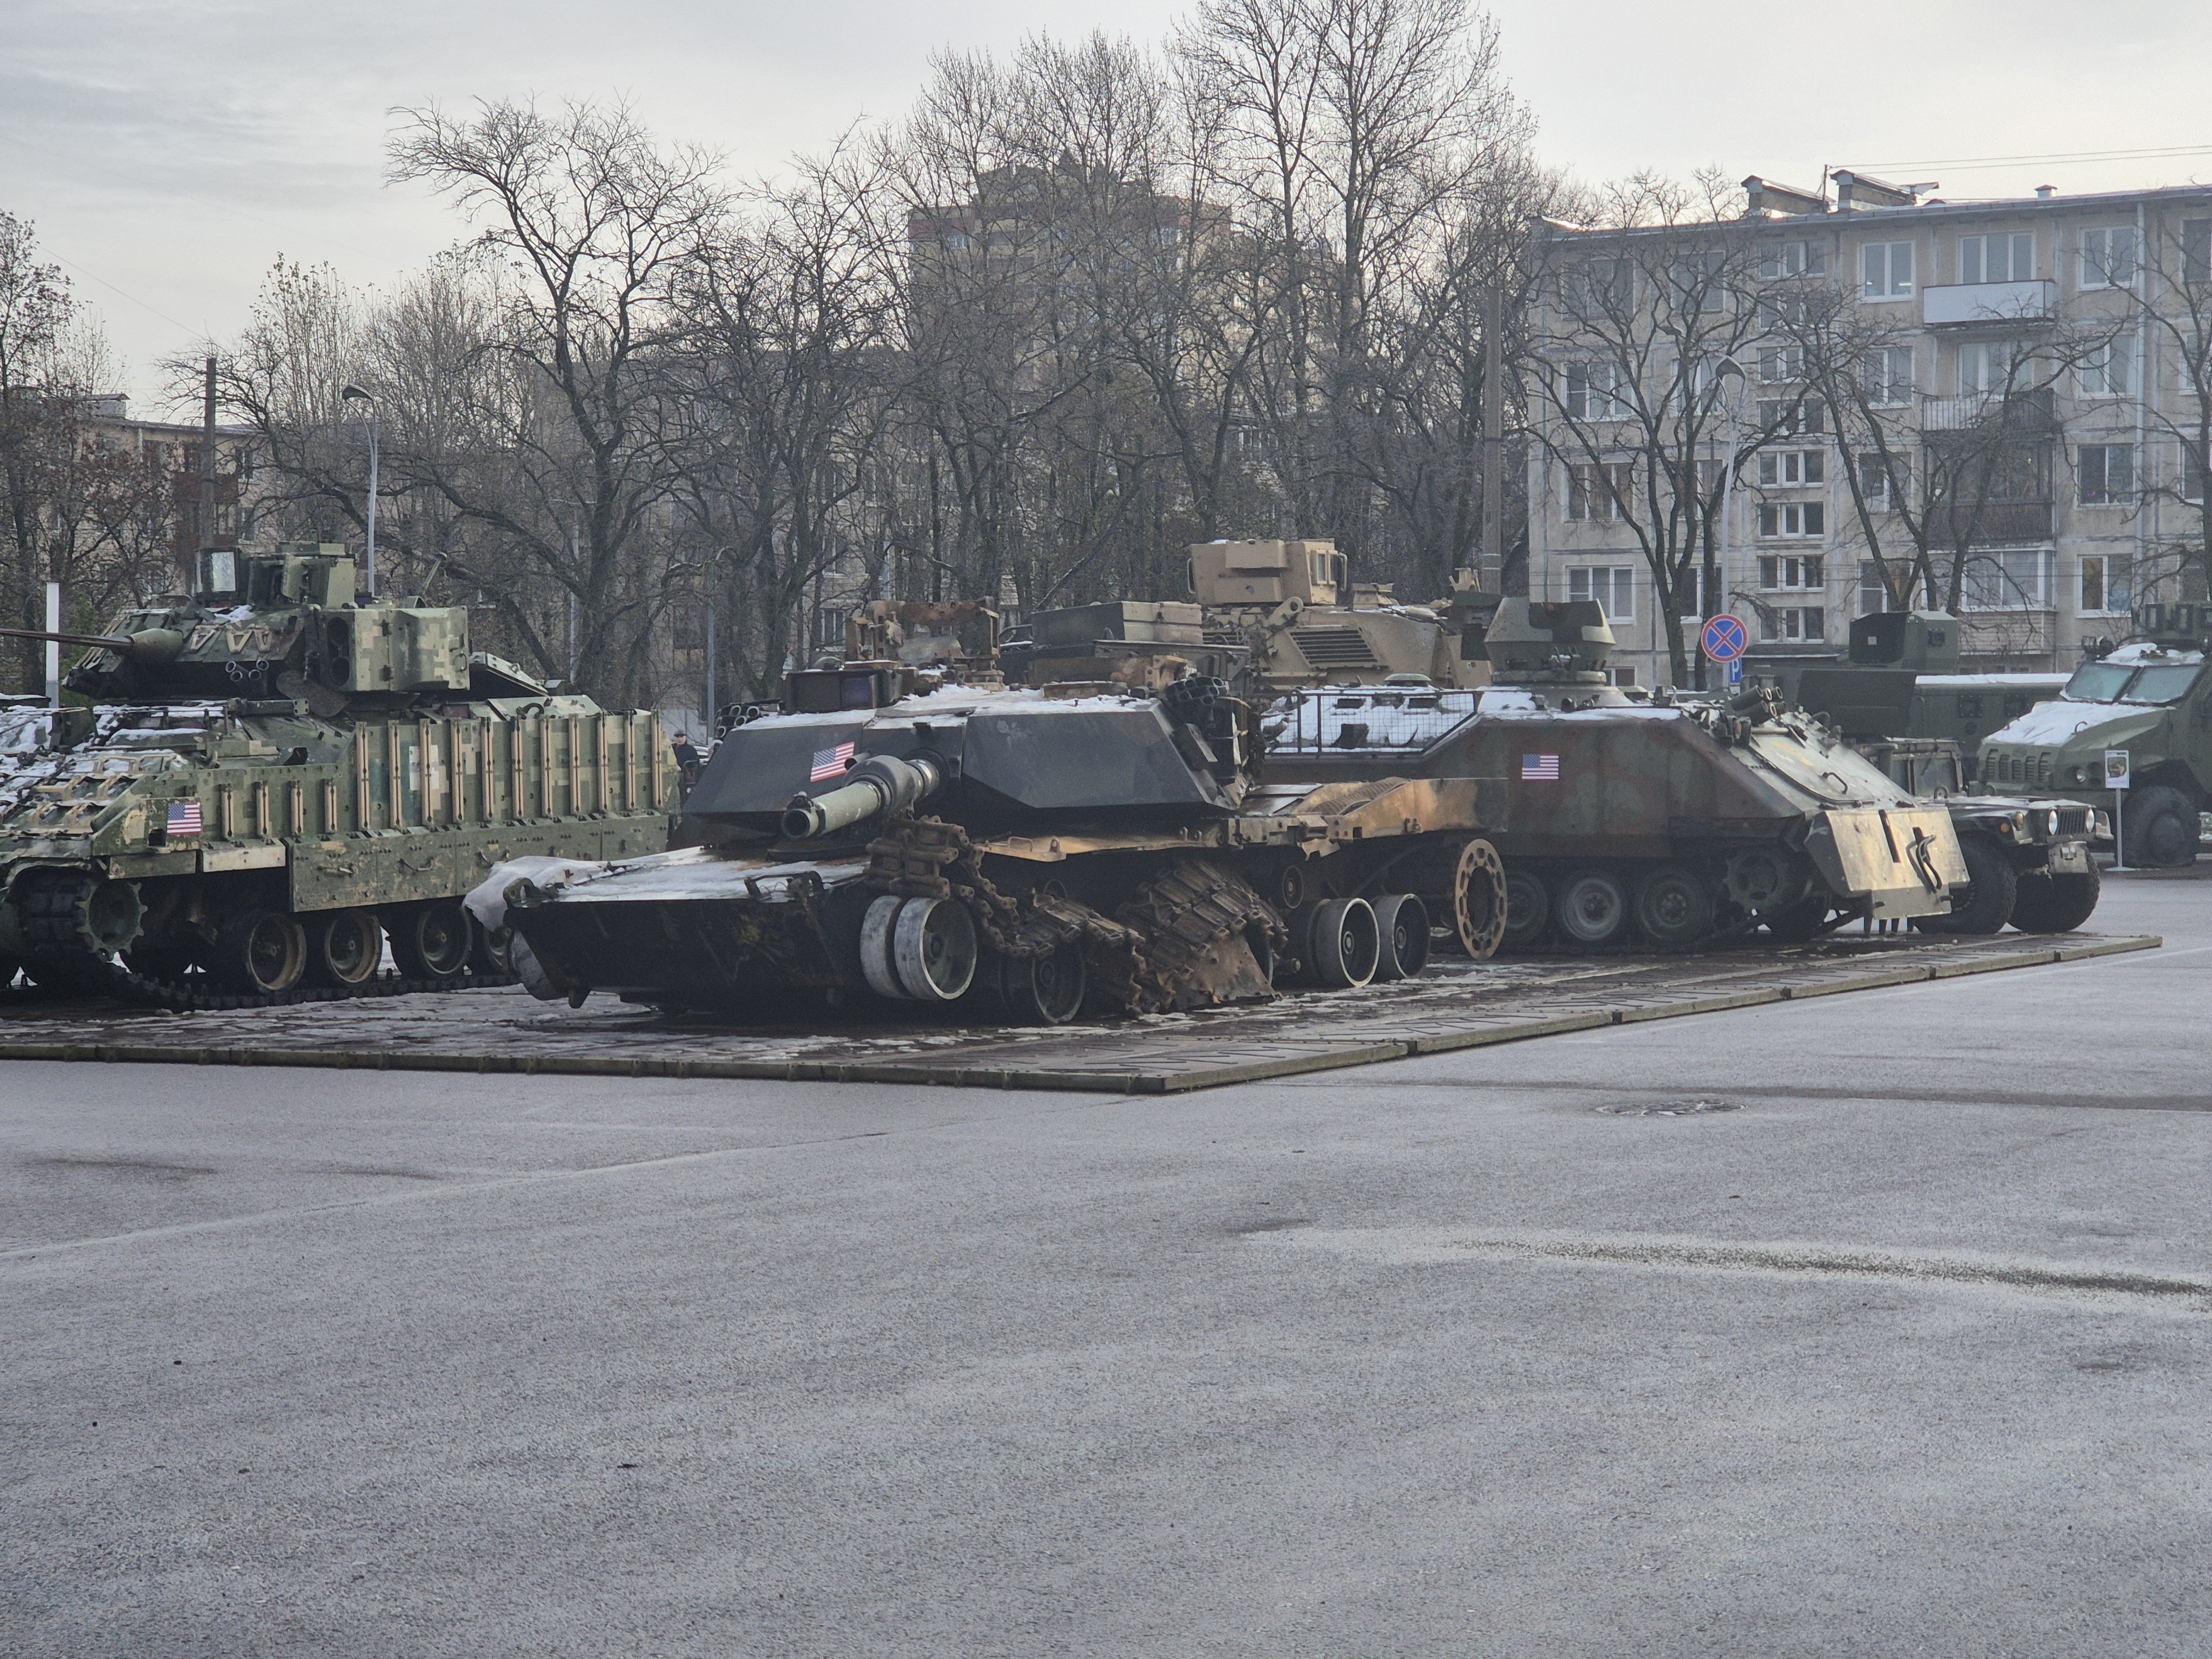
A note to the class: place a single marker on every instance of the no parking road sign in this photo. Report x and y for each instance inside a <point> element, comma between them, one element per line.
<point>1725,638</point>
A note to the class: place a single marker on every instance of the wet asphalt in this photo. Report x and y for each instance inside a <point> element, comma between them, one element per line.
<point>1878,1324</point>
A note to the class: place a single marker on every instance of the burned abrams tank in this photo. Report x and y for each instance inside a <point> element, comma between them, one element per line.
<point>277,775</point>
<point>1641,823</point>
<point>1029,851</point>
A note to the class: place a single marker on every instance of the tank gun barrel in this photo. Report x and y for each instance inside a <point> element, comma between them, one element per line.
<point>881,783</point>
<point>153,645</point>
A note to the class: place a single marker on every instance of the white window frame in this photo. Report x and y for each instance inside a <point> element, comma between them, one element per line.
<point>1786,469</point>
<point>1608,584</point>
<point>1793,521</point>
<point>2098,244</point>
<point>2105,496</point>
<point>2105,569</point>
<point>1600,395</point>
<point>1879,377</point>
<point>1793,572</point>
<point>2016,584</point>
<point>1793,624</point>
<point>2096,377</point>
<point>1798,258</point>
<point>1890,287</point>
<point>1974,257</point>
<point>1875,480</point>
<point>1604,491</point>
<point>1780,364</point>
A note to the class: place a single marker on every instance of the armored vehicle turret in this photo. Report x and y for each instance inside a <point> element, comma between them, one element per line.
<point>1636,820</point>
<point>278,773</point>
<point>1024,852</point>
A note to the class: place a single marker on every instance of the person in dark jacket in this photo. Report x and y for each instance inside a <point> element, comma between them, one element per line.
<point>688,760</point>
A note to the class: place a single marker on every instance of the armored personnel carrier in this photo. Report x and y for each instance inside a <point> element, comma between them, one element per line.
<point>1031,851</point>
<point>278,774</point>
<point>1636,821</point>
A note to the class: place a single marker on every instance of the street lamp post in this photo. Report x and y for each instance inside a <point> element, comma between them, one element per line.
<point>1709,574</point>
<point>575,605</point>
<point>348,395</point>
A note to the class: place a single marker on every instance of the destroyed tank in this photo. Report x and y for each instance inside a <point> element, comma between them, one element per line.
<point>1025,853</point>
<point>1641,821</point>
<point>278,774</point>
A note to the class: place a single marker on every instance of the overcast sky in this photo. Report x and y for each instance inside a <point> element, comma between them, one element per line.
<point>170,150</point>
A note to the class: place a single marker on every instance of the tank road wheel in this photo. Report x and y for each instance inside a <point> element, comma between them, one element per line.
<point>432,941</point>
<point>492,956</point>
<point>933,949</point>
<point>2161,828</point>
<point>1345,942</point>
<point>1046,990</point>
<point>1479,901</point>
<point>1673,907</point>
<point>344,948</point>
<point>1527,908</point>
<point>261,952</point>
<point>1592,910</point>
<point>876,928</point>
<point>1985,902</point>
<point>2056,904</point>
<point>1402,930</point>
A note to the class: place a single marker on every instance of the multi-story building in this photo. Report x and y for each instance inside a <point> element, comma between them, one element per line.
<point>2004,401</point>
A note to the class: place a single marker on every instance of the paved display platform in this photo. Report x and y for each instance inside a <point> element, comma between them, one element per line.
<point>1455,1005</point>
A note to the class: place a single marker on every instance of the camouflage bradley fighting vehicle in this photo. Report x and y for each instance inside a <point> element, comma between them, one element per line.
<point>1640,821</point>
<point>278,776</point>
<point>1023,851</point>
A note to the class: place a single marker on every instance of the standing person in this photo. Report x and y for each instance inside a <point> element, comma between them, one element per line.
<point>688,762</point>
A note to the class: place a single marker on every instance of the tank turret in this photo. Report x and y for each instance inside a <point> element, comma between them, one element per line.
<point>281,624</point>
<point>1549,642</point>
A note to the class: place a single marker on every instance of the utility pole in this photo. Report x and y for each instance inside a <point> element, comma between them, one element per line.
<point>207,466</point>
<point>1491,565</point>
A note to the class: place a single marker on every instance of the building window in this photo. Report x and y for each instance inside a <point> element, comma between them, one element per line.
<point>1703,603</point>
<point>1624,676</point>
<point>1877,473</point>
<point>1793,466</point>
<point>1795,259</point>
<point>1778,518</point>
<point>1886,376</point>
<point>1612,586</point>
<point>1886,271</point>
<point>2196,250</point>
<point>1599,492</point>
<point>2108,257</point>
<point>2107,585</point>
<point>1695,280</point>
<point>2109,370</point>
<point>1780,571</point>
<point>2193,472</point>
<point>1786,419</point>
<point>1875,596</point>
<point>2005,258</point>
<point>1779,363</point>
<point>1597,287</point>
<point>2008,582</point>
<point>1988,367</point>
<point>2106,474</point>
<point>1593,393</point>
<point>1791,622</point>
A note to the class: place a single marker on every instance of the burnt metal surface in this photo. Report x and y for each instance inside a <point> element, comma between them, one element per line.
<point>1455,1005</point>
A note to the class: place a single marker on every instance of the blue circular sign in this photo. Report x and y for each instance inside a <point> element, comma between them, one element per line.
<point>1725,638</point>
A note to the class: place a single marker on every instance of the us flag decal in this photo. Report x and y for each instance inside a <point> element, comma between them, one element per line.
<point>830,763</point>
<point>184,818</point>
<point>1539,769</point>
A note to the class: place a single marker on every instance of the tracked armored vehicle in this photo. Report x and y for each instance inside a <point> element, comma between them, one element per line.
<point>1641,822</point>
<point>278,774</point>
<point>1023,852</point>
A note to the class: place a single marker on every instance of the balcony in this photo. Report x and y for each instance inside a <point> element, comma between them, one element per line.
<point>1988,302</point>
<point>2024,412</point>
<point>1990,524</point>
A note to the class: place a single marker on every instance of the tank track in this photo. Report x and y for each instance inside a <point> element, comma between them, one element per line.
<point>93,975</point>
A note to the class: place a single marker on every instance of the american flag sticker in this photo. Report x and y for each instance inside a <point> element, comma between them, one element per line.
<point>184,818</point>
<point>1539,769</point>
<point>830,763</point>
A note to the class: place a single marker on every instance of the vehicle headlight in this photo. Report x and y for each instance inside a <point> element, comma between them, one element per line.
<point>2078,774</point>
<point>2051,821</point>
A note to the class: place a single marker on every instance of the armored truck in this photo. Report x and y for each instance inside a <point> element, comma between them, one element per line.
<point>1019,851</point>
<point>2148,697</point>
<point>277,774</point>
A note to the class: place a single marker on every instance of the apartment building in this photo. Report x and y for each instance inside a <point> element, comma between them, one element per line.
<point>2004,399</point>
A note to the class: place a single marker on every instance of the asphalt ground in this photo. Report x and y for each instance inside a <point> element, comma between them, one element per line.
<point>1875,1324</point>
